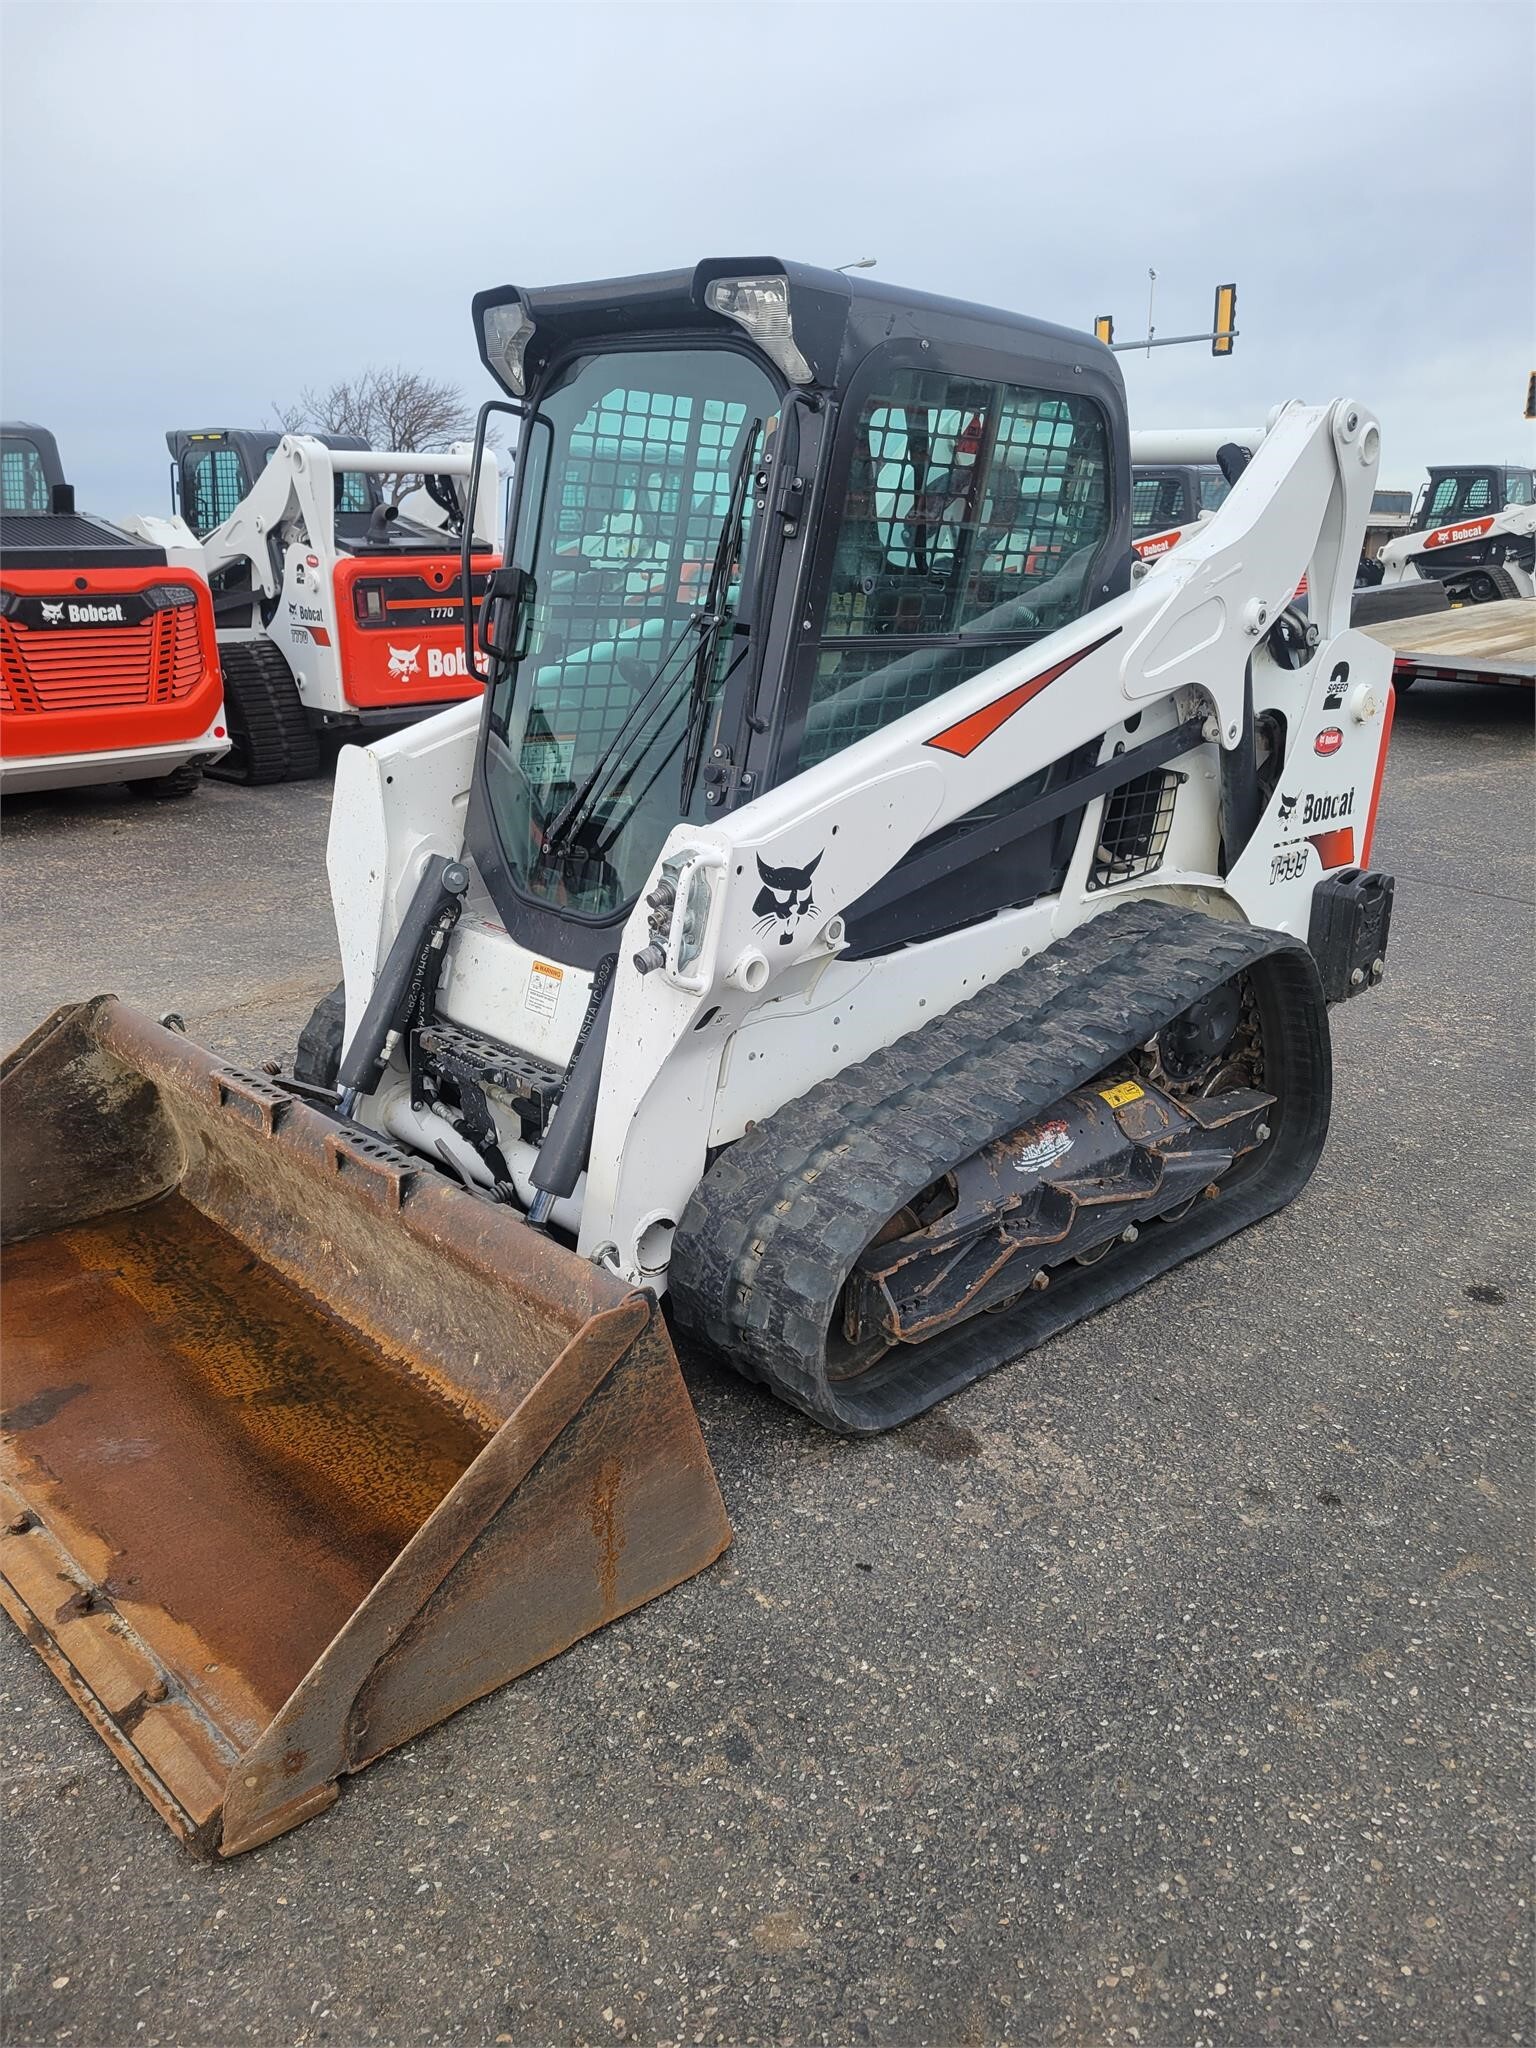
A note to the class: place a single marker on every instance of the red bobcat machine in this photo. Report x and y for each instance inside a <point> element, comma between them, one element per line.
<point>109,670</point>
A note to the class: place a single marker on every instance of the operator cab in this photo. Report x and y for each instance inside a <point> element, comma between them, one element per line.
<point>760,512</point>
<point>1471,491</point>
<point>1166,495</point>
<point>214,469</point>
<point>31,475</point>
<point>39,525</point>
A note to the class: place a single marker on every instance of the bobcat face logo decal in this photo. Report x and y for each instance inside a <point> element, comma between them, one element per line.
<point>785,897</point>
<point>53,614</point>
<point>404,661</point>
<point>1287,805</point>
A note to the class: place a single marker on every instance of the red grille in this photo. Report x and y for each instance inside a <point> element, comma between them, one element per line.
<point>101,668</point>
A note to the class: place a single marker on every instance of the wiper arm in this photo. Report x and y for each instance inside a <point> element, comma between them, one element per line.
<point>726,550</point>
<point>580,801</point>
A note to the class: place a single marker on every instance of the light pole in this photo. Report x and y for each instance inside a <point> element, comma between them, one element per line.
<point>863,263</point>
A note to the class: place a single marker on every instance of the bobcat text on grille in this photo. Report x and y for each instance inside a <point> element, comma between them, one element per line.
<point>68,613</point>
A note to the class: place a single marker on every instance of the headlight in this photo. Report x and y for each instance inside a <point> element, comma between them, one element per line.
<point>505,332</point>
<point>760,307</point>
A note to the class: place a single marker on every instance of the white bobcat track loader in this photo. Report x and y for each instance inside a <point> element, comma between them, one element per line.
<point>1172,490</point>
<point>1474,535</point>
<point>858,912</point>
<point>337,611</point>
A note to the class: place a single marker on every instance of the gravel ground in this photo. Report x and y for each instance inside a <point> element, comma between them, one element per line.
<point>1170,1687</point>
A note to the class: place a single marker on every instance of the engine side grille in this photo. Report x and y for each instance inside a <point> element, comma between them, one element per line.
<point>1134,831</point>
<point>101,669</point>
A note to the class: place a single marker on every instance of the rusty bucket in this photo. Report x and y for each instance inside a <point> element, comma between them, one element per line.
<point>304,1446</point>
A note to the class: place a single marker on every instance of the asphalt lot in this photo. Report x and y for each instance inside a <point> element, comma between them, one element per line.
<point>1170,1687</point>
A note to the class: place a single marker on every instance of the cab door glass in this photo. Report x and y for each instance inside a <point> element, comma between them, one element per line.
<point>1157,502</point>
<point>23,480</point>
<point>212,485</point>
<point>973,515</point>
<point>1214,490</point>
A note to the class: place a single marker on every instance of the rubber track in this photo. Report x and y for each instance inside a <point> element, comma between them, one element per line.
<point>1502,580</point>
<point>273,738</point>
<point>776,1224</point>
<point>318,1058</point>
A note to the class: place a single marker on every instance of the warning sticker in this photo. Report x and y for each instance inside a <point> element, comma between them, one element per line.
<point>543,994</point>
<point>1122,1093</point>
<point>547,761</point>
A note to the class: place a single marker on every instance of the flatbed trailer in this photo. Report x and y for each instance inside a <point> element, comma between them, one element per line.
<point>1473,643</point>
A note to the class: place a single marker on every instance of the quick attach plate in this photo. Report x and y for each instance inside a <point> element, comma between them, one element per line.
<point>446,1052</point>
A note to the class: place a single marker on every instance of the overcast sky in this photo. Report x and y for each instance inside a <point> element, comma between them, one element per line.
<point>208,207</point>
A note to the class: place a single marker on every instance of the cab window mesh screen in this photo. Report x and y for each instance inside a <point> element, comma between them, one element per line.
<point>857,690</point>
<point>23,481</point>
<point>1480,494</point>
<point>352,492</point>
<point>973,513</point>
<point>1154,504</point>
<point>638,504</point>
<point>215,486</point>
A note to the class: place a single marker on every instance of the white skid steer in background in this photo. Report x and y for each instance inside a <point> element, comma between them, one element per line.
<point>858,912</point>
<point>336,611</point>
<point>1474,535</point>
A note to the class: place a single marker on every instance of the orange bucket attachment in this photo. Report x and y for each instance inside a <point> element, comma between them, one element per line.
<point>304,1447</point>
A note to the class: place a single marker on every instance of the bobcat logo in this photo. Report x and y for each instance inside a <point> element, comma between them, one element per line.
<point>1287,805</point>
<point>785,897</point>
<point>53,614</point>
<point>404,661</point>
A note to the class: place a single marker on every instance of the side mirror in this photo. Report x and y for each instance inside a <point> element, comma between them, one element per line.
<point>506,585</point>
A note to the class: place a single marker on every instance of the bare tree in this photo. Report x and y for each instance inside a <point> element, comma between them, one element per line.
<point>387,408</point>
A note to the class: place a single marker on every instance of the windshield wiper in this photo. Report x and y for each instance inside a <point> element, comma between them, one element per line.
<point>583,796</point>
<point>726,550</point>
<point>706,621</point>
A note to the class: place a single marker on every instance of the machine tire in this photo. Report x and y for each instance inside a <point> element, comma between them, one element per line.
<point>271,737</point>
<point>182,781</point>
<point>774,1228</point>
<point>318,1058</point>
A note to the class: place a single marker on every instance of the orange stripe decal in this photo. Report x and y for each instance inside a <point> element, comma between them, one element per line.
<point>1381,769</point>
<point>967,734</point>
<point>1335,849</point>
